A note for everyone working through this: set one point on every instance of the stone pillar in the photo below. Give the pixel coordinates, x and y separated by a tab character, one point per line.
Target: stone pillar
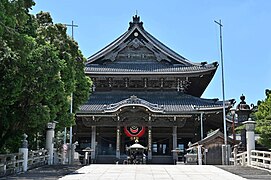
174	143
93	143
118	144
24	150
50	134
149	143
250	127
199	155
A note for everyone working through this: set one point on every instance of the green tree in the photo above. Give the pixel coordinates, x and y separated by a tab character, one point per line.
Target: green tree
40	66
263	120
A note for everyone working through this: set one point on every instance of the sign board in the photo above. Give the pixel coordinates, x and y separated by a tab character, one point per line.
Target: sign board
65	147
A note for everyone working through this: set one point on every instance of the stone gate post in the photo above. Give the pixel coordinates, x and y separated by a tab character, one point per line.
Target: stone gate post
250	134
24	150
50	134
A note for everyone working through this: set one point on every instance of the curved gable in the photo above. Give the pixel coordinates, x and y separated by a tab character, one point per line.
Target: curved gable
137	44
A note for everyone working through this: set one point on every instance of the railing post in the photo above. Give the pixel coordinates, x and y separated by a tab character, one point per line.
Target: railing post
24	150
243	159
235	149
13	159
199	155
5	165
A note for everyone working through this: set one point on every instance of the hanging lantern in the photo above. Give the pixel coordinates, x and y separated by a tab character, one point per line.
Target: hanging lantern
134	131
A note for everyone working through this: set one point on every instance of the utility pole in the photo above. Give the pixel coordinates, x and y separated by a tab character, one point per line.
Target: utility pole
70	154
223	92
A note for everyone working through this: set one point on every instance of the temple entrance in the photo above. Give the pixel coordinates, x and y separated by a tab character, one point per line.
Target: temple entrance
111	136
107	140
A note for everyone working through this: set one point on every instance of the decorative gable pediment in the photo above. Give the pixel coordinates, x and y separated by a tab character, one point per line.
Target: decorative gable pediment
137	44
133	101
133	50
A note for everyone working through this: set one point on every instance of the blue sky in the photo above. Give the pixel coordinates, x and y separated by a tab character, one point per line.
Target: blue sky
187	27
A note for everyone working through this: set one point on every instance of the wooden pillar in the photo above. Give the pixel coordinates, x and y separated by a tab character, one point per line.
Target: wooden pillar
201	126
149	143
93	143
174	143
118	143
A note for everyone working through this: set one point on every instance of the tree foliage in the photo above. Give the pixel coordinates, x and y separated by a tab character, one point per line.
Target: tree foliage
40	66
263	120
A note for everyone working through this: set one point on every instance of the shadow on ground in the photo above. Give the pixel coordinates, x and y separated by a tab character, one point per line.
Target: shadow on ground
45	172
248	172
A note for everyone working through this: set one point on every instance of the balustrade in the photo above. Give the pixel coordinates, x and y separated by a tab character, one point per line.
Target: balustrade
260	159
13	163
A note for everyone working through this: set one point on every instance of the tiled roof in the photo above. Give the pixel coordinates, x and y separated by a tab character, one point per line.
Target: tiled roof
213	135
145	68
153	44
163	102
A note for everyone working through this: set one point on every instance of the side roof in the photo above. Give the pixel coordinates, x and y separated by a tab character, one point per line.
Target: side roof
157	102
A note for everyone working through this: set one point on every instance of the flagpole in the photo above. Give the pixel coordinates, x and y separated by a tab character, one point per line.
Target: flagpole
71	105
223	92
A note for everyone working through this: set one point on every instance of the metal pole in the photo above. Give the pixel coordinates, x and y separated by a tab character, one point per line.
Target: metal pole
223	91
70	154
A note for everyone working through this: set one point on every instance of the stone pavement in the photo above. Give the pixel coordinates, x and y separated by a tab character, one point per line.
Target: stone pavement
151	172
142	172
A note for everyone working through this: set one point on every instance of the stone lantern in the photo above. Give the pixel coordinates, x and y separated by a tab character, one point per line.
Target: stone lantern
243	111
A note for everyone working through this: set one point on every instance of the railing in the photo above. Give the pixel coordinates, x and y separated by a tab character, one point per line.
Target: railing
37	158
58	158
13	163
261	159
239	159
258	158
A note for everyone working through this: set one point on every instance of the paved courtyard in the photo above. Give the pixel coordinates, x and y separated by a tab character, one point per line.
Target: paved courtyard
149	172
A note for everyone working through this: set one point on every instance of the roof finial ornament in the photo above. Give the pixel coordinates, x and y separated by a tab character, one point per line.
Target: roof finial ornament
136	21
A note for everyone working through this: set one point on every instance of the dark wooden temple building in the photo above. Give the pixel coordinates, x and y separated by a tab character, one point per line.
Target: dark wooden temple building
144	91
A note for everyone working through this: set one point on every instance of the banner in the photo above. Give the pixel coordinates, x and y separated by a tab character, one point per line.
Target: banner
134	131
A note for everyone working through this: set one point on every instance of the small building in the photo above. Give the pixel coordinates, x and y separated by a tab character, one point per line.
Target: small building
212	147
144	91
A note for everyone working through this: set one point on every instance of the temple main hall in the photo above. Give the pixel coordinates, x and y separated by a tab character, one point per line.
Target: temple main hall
143	92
